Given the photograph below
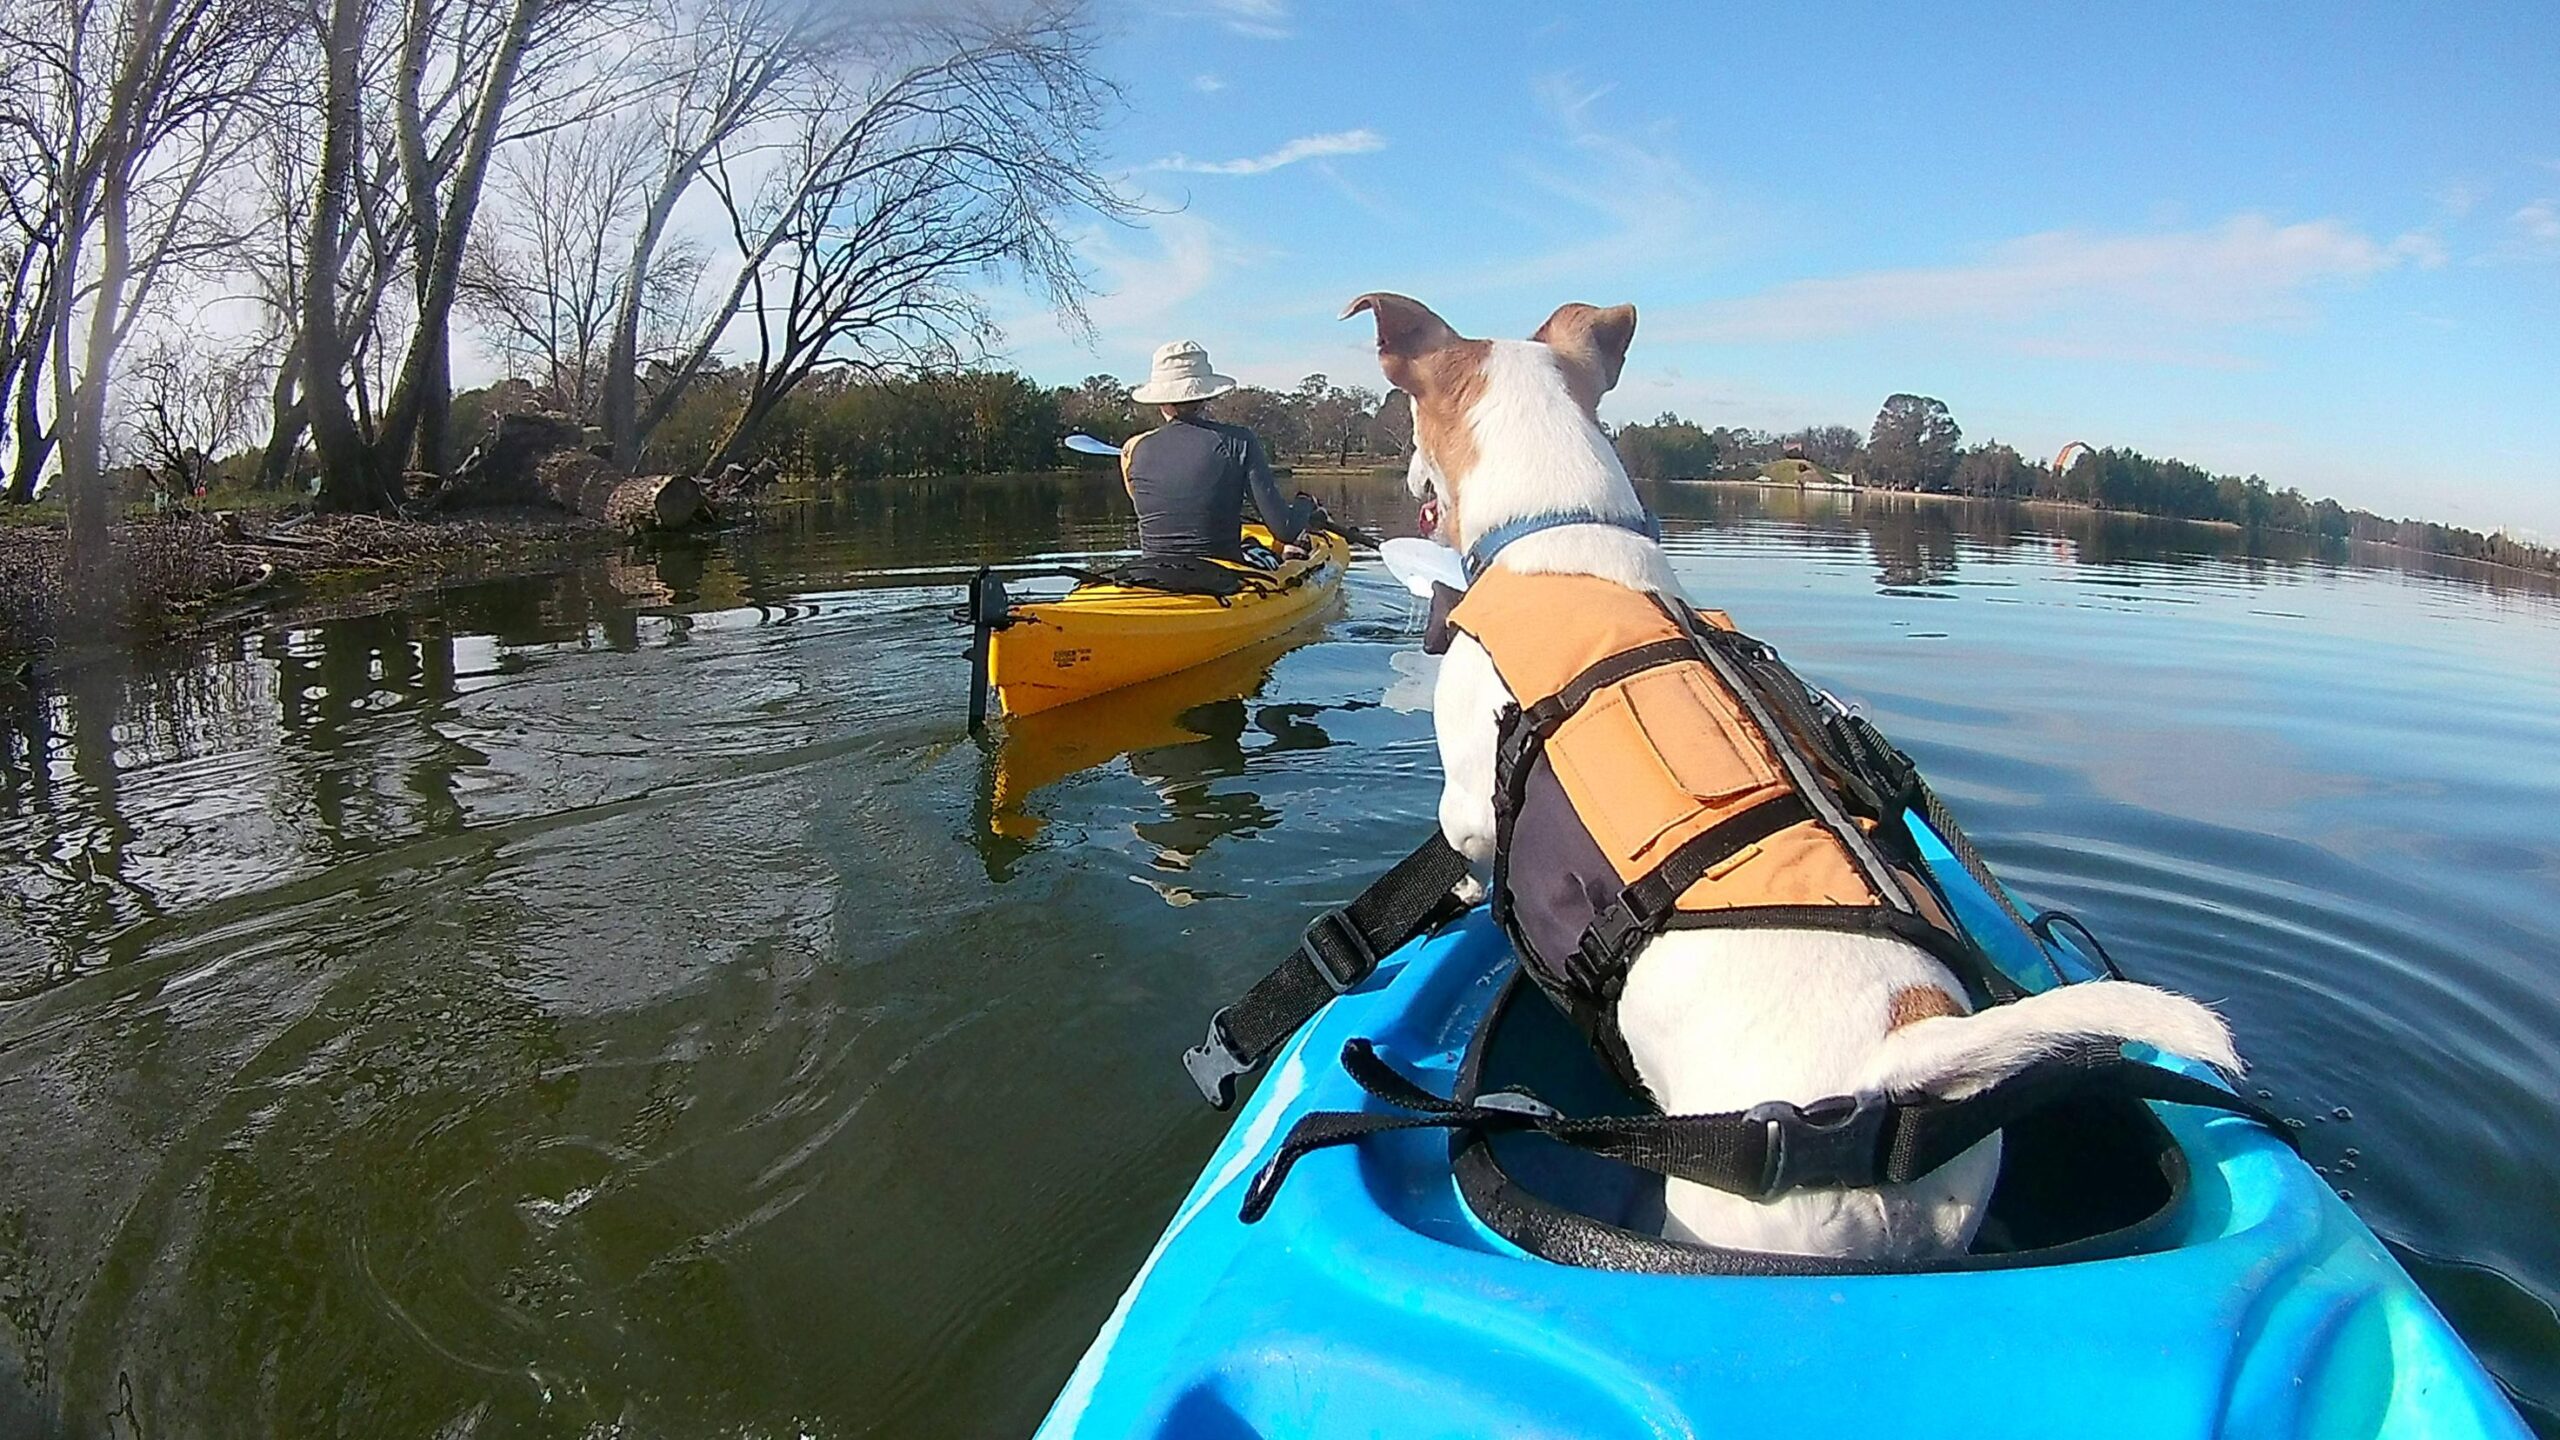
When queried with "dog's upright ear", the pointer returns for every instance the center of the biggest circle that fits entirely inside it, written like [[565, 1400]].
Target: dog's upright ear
[[1592, 343], [1409, 335]]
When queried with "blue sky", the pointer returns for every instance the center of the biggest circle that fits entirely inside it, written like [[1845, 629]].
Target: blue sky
[[2318, 243]]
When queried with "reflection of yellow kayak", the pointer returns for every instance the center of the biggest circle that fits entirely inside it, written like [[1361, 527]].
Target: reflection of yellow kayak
[[1099, 638], [1041, 749]]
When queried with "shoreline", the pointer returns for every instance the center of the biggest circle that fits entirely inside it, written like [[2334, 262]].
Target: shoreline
[[1942, 496], [2075, 507], [180, 574]]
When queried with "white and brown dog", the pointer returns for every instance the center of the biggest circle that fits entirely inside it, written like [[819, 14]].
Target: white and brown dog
[[1714, 1019]]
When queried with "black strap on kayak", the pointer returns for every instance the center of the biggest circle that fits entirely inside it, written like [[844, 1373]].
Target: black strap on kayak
[[1846, 1142], [1339, 950], [1193, 575]]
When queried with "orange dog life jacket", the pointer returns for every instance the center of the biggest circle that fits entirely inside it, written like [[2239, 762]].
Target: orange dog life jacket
[[1662, 770]]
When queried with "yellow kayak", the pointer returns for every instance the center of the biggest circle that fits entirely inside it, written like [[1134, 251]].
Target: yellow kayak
[[1041, 654]]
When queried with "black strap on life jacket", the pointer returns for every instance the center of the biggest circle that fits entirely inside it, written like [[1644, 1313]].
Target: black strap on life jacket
[[1843, 1143], [1339, 949]]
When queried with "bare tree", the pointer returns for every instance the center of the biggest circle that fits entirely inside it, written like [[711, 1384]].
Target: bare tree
[[372, 253], [731, 67], [548, 273], [139, 105], [462, 73], [142, 106], [188, 402], [30, 294], [870, 173]]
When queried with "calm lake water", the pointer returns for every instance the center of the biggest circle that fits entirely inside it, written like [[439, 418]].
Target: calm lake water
[[625, 1002]]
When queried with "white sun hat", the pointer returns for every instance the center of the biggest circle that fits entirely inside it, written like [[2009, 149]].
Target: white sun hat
[[1182, 373]]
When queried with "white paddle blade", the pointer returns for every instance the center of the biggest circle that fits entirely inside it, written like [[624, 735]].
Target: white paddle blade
[[1087, 445], [1419, 564]]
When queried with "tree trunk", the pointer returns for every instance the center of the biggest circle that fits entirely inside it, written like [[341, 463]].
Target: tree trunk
[[348, 478], [433, 452], [288, 420], [421, 403], [35, 443], [88, 555], [620, 410], [576, 480], [762, 398]]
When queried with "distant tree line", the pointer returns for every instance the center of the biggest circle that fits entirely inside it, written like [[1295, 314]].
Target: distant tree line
[[837, 426], [1318, 422], [1915, 445]]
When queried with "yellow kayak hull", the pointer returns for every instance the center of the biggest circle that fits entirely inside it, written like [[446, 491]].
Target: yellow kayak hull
[[1100, 638]]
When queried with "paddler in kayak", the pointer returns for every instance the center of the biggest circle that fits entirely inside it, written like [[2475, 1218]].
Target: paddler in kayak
[[1190, 476]]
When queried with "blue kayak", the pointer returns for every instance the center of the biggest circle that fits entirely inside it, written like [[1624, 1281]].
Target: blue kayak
[[1414, 1285]]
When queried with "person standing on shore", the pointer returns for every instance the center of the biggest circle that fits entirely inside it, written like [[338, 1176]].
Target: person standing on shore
[[1189, 477]]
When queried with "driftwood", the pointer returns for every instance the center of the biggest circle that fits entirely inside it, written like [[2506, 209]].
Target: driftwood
[[506, 467], [236, 532]]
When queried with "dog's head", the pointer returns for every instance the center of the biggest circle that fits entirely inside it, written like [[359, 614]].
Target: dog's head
[[1471, 394]]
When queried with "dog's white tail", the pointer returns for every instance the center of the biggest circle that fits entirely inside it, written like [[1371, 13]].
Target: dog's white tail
[[1954, 1055]]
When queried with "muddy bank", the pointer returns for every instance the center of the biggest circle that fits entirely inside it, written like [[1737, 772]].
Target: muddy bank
[[174, 572]]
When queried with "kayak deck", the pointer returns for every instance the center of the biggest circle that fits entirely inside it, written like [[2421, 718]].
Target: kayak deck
[[1100, 638], [1371, 1299]]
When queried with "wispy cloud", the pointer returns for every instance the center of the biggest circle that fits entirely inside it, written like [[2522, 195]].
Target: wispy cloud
[[1253, 19], [1207, 84], [2458, 198], [2539, 224], [1141, 287], [1305, 147], [2161, 297], [1630, 202]]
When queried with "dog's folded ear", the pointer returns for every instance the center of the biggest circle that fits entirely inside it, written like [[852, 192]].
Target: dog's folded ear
[[1417, 350], [1592, 342], [1407, 329]]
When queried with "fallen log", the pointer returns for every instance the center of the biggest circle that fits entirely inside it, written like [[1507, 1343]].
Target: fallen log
[[648, 503], [577, 481]]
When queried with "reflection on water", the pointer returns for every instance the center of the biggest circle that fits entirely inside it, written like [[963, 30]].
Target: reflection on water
[[625, 1000], [1182, 735]]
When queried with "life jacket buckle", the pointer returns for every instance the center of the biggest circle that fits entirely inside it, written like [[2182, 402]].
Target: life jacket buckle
[[1609, 938], [1831, 1144], [1337, 951]]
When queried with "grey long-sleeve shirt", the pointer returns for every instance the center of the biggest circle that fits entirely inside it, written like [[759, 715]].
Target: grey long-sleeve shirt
[[1189, 480]]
